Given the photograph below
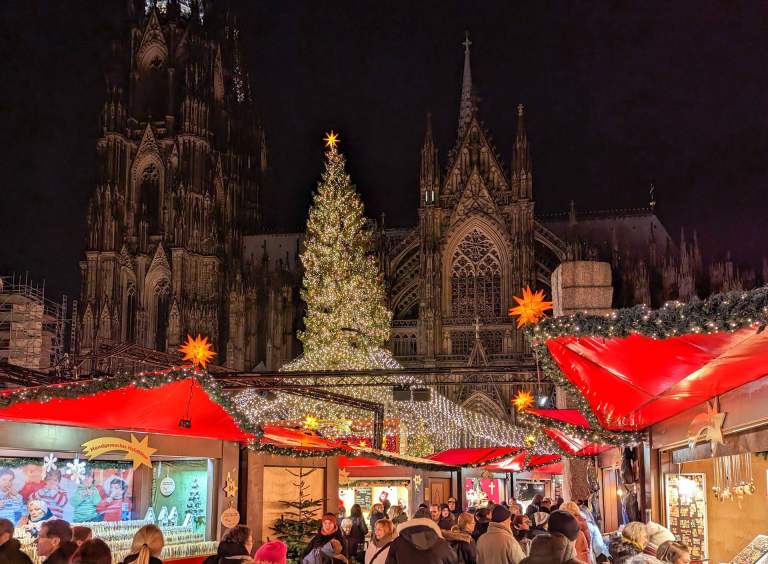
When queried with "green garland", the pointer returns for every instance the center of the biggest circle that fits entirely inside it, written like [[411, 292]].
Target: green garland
[[727, 312], [597, 436], [13, 462], [143, 380]]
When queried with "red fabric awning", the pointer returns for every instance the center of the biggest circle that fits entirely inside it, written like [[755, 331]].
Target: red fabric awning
[[571, 416], [296, 438], [636, 381], [575, 445], [472, 456], [360, 462], [131, 408]]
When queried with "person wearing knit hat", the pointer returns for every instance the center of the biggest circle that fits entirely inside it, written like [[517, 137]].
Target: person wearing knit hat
[[498, 545], [272, 552]]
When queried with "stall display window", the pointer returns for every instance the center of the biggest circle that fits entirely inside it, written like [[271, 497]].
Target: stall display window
[[34, 490], [686, 499], [526, 490], [180, 494]]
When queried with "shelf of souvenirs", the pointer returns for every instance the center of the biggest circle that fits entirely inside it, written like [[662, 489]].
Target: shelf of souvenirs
[[180, 541]]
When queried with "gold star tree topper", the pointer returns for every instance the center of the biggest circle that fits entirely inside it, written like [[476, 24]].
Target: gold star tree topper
[[523, 400], [331, 139], [198, 350], [530, 308]]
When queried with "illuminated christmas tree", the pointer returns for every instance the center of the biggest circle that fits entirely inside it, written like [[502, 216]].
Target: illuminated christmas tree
[[195, 505], [347, 322]]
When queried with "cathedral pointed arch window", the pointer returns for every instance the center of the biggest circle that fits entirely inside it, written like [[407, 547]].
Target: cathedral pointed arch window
[[476, 277], [162, 309], [149, 197], [130, 314]]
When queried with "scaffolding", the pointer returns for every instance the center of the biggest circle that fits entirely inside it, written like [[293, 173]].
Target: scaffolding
[[32, 326]]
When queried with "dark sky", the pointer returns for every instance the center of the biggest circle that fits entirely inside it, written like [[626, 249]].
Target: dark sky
[[617, 95]]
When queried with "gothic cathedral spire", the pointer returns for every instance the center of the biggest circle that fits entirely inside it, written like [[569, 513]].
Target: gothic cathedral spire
[[430, 174], [466, 104], [522, 181]]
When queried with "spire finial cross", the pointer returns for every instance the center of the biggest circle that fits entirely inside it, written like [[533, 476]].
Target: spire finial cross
[[467, 43]]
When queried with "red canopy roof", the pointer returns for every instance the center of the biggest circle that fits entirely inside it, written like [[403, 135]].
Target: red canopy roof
[[472, 456], [132, 408], [636, 381]]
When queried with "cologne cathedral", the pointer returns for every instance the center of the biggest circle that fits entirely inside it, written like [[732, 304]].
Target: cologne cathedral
[[174, 245]]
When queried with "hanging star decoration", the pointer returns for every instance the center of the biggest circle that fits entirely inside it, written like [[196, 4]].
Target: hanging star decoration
[[49, 463], [523, 400], [198, 350], [75, 470], [362, 443], [417, 479], [707, 426], [311, 423], [530, 308], [230, 486], [331, 139], [529, 440]]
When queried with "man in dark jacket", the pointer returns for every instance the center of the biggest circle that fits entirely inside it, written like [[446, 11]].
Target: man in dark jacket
[[481, 523], [420, 541], [54, 543], [10, 548]]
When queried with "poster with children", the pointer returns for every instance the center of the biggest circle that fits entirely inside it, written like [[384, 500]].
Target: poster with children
[[34, 491]]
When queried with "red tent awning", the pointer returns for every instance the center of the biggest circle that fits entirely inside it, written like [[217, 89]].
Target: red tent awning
[[132, 408], [296, 438], [633, 382], [472, 456]]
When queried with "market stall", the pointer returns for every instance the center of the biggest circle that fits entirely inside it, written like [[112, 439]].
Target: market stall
[[689, 380], [115, 454]]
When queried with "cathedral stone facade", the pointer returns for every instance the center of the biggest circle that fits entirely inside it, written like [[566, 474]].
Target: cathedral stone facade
[[174, 246]]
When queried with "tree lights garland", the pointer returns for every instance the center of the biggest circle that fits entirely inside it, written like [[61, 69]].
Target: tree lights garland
[[725, 312]]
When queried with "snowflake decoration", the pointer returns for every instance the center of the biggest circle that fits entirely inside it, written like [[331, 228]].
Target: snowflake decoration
[[49, 463], [75, 470]]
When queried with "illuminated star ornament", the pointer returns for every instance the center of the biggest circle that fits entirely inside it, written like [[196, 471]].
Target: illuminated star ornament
[[311, 423], [331, 139], [530, 308], [523, 400], [199, 351]]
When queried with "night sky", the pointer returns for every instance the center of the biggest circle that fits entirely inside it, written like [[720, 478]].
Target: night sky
[[616, 98]]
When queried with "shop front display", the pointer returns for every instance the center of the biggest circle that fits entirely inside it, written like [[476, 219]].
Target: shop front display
[[366, 493], [478, 492], [686, 499]]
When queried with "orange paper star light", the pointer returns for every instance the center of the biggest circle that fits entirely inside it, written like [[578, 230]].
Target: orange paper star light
[[199, 351], [331, 139], [523, 400], [530, 308]]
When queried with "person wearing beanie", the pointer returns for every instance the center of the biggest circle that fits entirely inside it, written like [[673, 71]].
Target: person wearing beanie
[[565, 523], [272, 552], [498, 544], [447, 519], [552, 549]]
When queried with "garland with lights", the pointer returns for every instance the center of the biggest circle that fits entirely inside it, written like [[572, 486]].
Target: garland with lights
[[143, 380], [726, 312], [16, 462]]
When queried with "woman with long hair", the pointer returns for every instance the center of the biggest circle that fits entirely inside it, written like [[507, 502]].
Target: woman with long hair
[[357, 534], [93, 551], [675, 552], [236, 545], [378, 548], [148, 543]]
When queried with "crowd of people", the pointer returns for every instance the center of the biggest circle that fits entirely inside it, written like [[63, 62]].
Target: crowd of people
[[546, 533]]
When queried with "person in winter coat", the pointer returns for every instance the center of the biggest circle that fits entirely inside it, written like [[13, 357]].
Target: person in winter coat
[[93, 551], [460, 538], [377, 512], [398, 515], [551, 549], [54, 542], [481, 523], [147, 544], [498, 544], [534, 506], [10, 548], [329, 529], [447, 520], [582, 540], [657, 534], [420, 541], [272, 552], [235, 547], [539, 523], [628, 548], [454, 507], [357, 534], [378, 548]]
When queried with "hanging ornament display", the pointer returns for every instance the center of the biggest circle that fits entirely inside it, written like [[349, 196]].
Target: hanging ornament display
[[167, 485], [230, 485], [75, 470], [707, 426], [530, 308], [230, 517], [49, 463], [733, 477], [198, 350]]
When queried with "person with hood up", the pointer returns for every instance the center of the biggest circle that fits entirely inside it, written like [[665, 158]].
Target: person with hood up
[[420, 541], [460, 538], [10, 548], [235, 547], [628, 548], [583, 545], [498, 544], [328, 530], [378, 548], [446, 520], [481, 523], [552, 549]]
